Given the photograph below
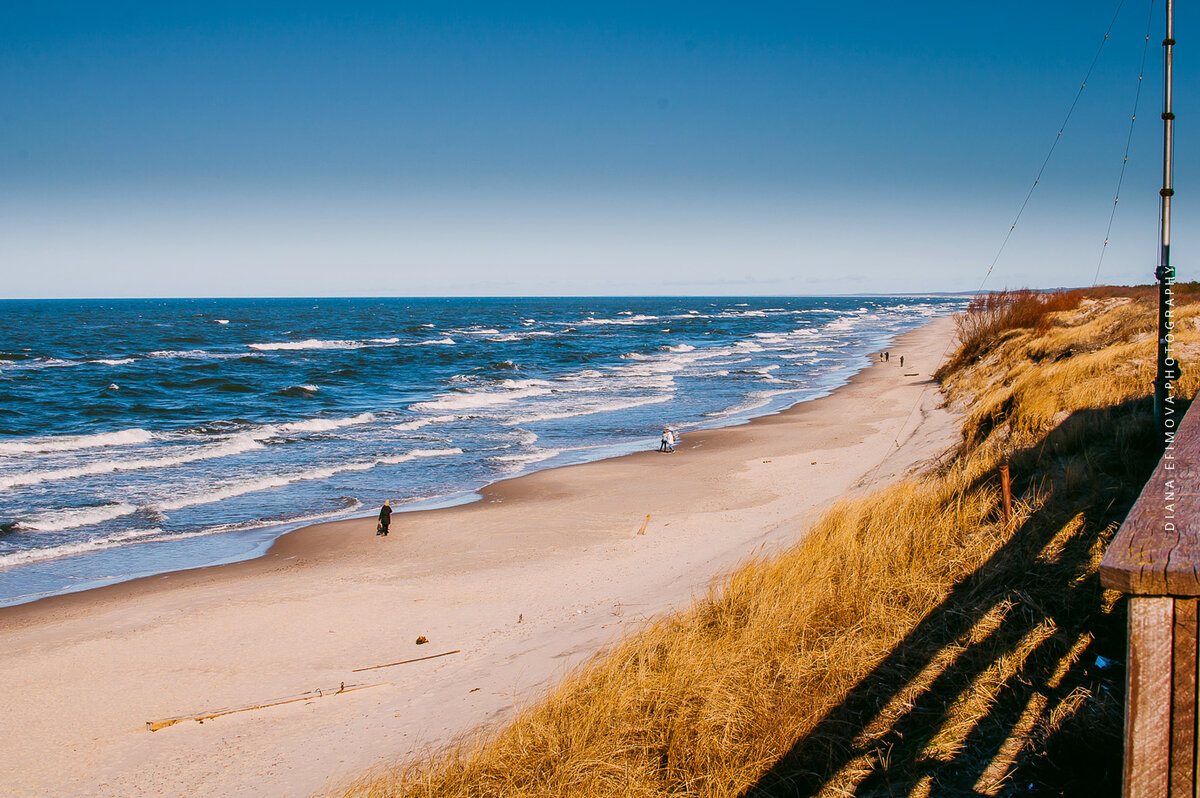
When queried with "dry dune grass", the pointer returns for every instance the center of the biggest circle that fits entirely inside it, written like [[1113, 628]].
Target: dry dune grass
[[913, 643]]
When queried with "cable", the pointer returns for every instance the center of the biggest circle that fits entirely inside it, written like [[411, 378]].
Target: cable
[[1057, 137], [1017, 218], [1128, 140]]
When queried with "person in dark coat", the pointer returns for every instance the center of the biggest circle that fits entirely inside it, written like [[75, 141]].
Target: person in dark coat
[[385, 518]]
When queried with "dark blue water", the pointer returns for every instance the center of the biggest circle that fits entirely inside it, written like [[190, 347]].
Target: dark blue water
[[141, 436]]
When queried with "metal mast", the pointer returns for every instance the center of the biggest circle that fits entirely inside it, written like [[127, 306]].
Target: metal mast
[[1168, 369]]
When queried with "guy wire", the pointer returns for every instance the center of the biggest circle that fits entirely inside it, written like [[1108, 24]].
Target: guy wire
[[1128, 140]]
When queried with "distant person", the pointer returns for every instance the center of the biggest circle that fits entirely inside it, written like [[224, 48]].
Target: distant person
[[887, 356], [385, 519], [669, 439], [902, 361], [666, 441]]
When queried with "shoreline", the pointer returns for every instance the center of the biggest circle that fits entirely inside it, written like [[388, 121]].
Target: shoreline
[[533, 577], [194, 574]]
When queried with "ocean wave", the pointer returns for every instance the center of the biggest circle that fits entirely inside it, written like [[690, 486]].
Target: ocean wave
[[470, 400], [56, 520], [120, 361], [157, 535], [530, 383], [264, 523], [125, 437], [299, 391], [425, 422], [308, 425], [638, 319], [586, 409], [326, 424], [221, 321], [242, 487], [190, 354], [447, 341], [36, 363], [311, 343], [26, 556], [234, 445], [527, 335], [752, 401], [515, 462]]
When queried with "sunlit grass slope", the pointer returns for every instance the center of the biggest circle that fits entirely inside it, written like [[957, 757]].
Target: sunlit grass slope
[[912, 643]]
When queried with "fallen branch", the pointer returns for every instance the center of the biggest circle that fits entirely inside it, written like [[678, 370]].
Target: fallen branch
[[406, 661], [642, 531], [155, 725]]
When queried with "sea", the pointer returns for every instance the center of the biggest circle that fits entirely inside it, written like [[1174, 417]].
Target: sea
[[144, 436]]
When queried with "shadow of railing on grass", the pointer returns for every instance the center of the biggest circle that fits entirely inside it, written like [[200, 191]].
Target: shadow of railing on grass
[[904, 729]]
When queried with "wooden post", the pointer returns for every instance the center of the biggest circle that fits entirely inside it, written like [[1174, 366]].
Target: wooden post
[[1155, 559], [1006, 488]]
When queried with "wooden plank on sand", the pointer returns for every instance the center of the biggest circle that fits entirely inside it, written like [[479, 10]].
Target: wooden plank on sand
[[155, 725]]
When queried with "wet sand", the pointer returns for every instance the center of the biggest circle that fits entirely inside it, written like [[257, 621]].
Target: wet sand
[[533, 578]]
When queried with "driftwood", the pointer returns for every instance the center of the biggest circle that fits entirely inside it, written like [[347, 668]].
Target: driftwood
[[406, 661], [645, 523], [155, 725]]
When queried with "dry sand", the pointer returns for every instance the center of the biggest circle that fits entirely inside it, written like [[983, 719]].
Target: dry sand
[[525, 583]]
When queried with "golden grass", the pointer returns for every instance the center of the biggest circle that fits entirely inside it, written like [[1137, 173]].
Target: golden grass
[[911, 643]]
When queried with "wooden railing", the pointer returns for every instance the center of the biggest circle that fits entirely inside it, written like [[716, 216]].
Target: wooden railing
[[1155, 559]]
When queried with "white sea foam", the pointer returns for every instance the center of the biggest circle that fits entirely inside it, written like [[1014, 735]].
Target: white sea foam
[[447, 341], [56, 520], [113, 362], [233, 445], [26, 556], [40, 363], [222, 321], [425, 422], [191, 354], [264, 523], [325, 424], [242, 487], [530, 383], [514, 462], [125, 437], [470, 400], [588, 409], [156, 535], [521, 336], [752, 401], [311, 343], [638, 319], [679, 348], [385, 340]]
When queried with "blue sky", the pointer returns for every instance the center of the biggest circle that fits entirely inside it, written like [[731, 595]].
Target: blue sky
[[229, 149]]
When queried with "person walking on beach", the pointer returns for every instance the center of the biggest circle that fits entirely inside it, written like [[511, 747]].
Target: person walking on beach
[[666, 440], [385, 519]]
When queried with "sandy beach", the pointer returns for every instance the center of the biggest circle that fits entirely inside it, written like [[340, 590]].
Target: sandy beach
[[532, 579]]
